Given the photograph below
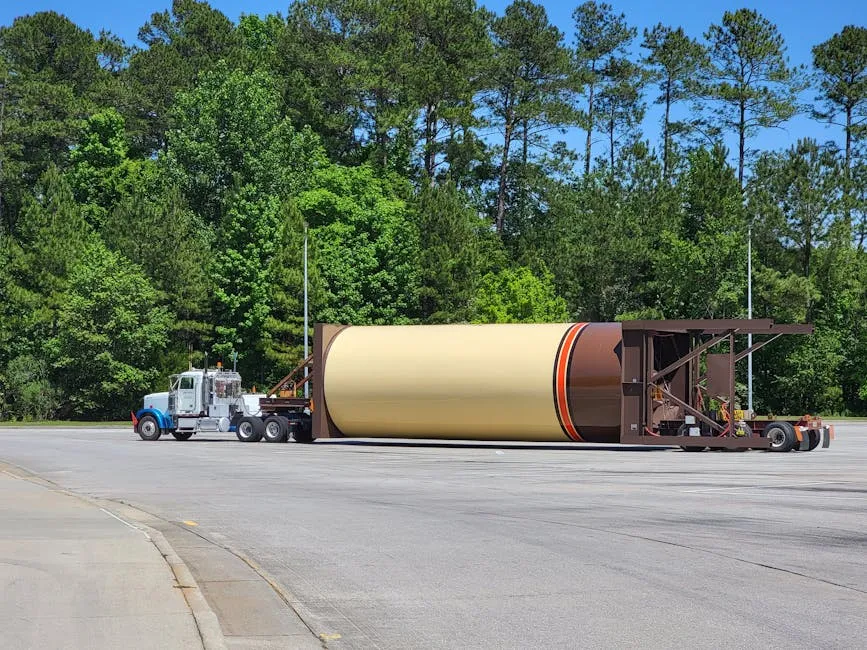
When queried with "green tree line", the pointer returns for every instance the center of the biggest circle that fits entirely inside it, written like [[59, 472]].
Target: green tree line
[[154, 197]]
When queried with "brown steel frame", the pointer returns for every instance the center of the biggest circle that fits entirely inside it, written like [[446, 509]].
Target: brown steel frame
[[640, 378]]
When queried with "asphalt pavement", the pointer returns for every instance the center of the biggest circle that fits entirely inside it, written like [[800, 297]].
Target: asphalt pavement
[[393, 545]]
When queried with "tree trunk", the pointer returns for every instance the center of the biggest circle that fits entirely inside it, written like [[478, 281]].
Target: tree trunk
[[847, 186], [504, 168], [526, 143], [742, 139], [380, 134], [2, 124], [429, 157], [808, 250], [848, 138], [611, 141], [666, 131], [588, 145]]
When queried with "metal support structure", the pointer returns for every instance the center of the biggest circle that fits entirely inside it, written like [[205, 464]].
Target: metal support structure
[[692, 411], [750, 317], [680, 347], [731, 396], [693, 354], [306, 321], [743, 354], [288, 379]]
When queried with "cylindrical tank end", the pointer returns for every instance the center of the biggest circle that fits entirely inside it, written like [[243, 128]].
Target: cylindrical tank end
[[593, 382]]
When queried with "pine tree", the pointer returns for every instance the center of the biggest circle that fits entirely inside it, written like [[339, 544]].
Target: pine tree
[[449, 242], [283, 331], [841, 62], [154, 228], [601, 39], [52, 235], [751, 80], [674, 60], [529, 81]]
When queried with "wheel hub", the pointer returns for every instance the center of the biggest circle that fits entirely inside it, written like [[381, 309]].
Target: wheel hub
[[777, 438]]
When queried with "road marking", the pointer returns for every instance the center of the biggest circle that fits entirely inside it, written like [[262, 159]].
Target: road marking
[[190, 523], [126, 523], [757, 487], [330, 637]]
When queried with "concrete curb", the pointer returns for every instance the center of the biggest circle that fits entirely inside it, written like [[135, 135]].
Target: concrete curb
[[206, 620]]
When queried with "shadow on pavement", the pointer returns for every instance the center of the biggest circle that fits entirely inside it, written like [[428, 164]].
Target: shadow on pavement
[[449, 444]]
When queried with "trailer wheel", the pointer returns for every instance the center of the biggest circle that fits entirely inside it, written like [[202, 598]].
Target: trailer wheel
[[276, 428], [148, 429], [781, 435], [249, 429], [303, 433], [814, 436], [182, 435]]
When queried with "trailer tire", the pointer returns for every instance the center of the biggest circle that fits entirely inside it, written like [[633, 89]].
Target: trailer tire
[[303, 433], [814, 437], [276, 429], [249, 429], [148, 428], [781, 435], [182, 435]]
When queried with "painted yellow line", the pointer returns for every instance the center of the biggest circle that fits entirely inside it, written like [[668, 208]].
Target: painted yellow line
[[329, 637], [190, 523]]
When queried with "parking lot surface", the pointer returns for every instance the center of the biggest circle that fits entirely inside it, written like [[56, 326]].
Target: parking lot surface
[[381, 544]]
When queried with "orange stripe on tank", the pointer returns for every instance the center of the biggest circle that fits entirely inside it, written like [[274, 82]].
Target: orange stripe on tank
[[560, 381]]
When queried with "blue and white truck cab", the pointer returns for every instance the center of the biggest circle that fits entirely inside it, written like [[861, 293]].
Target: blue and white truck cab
[[197, 400]]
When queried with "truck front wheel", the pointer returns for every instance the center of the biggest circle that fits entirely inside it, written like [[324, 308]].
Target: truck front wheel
[[148, 429], [249, 429]]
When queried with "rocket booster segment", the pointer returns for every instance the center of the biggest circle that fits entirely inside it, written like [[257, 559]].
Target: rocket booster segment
[[551, 382]]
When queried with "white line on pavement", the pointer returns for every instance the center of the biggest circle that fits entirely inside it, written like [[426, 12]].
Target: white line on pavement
[[126, 523]]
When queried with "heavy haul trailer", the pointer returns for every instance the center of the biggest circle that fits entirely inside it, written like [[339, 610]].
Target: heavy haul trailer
[[636, 383]]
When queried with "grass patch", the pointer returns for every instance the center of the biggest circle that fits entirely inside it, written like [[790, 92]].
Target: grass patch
[[824, 418], [41, 424]]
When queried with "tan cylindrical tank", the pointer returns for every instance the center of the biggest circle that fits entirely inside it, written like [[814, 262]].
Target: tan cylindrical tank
[[555, 382]]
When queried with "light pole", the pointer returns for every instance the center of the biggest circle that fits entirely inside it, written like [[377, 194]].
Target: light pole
[[306, 321]]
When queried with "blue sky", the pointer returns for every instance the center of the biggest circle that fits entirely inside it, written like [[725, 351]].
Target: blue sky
[[803, 23]]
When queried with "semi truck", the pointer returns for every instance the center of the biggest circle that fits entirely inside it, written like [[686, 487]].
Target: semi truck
[[667, 382]]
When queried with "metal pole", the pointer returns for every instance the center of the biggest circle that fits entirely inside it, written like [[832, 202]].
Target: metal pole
[[306, 321], [749, 315]]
